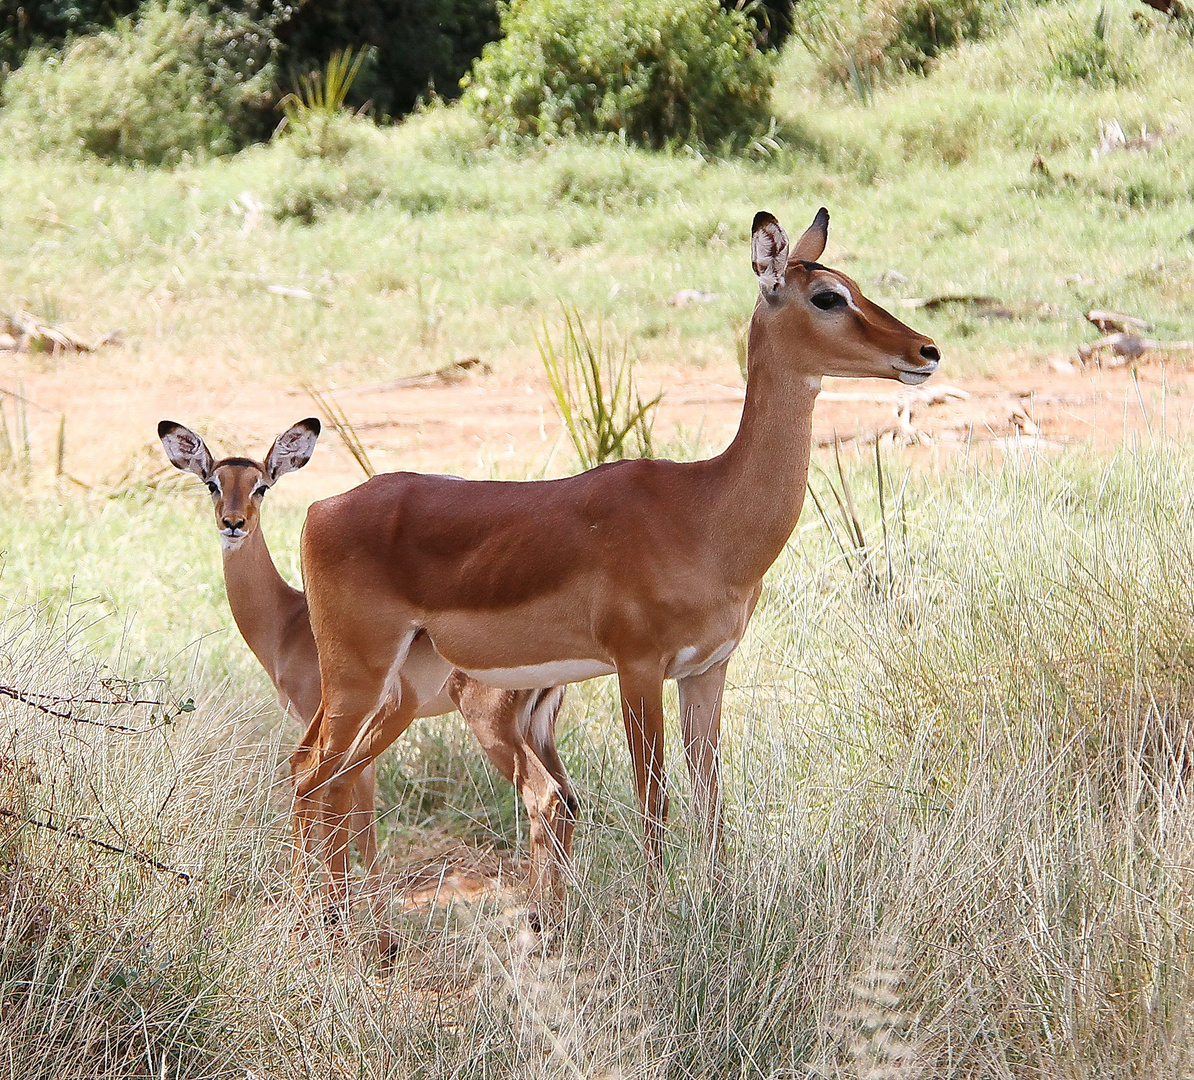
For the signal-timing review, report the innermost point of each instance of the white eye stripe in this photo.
(844, 293)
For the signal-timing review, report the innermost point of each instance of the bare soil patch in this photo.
(505, 424)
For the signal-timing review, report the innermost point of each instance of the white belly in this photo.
(692, 660)
(533, 676)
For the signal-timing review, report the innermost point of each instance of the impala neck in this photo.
(258, 595)
(764, 471)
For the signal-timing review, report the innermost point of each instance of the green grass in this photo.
(431, 246)
(958, 838)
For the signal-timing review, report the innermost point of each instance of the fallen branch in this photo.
(75, 834)
(295, 293)
(27, 332)
(1126, 347)
(985, 307)
(449, 373)
(1112, 137)
(1110, 322)
(692, 296)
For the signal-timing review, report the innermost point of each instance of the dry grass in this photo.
(958, 829)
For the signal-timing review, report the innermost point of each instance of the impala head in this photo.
(833, 329)
(238, 485)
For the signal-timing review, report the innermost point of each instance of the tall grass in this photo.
(956, 820)
(596, 396)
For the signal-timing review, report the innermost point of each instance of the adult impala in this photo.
(650, 569)
(515, 728)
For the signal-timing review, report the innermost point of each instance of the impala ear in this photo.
(292, 449)
(185, 449)
(768, 253)
(810, 246)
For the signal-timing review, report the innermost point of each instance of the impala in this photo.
(646, 569)
(515, 728)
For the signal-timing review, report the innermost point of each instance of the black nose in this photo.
(230, 524)
(930, 352)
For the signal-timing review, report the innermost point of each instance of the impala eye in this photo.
(826, 300)
(213, 487)
(260, 492)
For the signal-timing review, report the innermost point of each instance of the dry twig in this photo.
(75, 834)
(454, 372)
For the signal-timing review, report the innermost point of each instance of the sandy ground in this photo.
(506, 425)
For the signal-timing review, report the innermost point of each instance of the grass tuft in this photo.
(596, 396)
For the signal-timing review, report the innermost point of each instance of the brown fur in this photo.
(273, 619)
(637, 565)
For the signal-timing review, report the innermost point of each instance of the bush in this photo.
(772, 19)
(852, 42)
(24, 25)
(657, 72)
(1093, 55)
(172, 83)
(417, 45)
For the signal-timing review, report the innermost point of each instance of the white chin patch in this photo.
(914, 378)
(231, 543)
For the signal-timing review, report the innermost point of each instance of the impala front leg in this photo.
(700, 727)
(642, 713)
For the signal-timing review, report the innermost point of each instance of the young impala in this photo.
(515, 728)
(650, 569)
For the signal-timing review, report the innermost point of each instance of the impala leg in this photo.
(502, 721)
(642, 713)
(700, 727)
(364, 823)
(353, 732)
(542, 737)
(345, 759)
(307, 809)
(364, 826)
(551, 834)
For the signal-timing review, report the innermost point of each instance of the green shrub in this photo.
(313, 188)
(656, 72)
(174, 82)
(772, 19)
(25, 25)
(854, 41)
(1093, 54)
(417, 46)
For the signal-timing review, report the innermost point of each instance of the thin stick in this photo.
(75, 834)
(26, 697)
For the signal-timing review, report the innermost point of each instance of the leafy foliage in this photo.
(418, 46)
(315, 114)
(772, 18)
(174, 82)
(24, 25)
(658, 72)
(1094, 53)
(854, 42)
